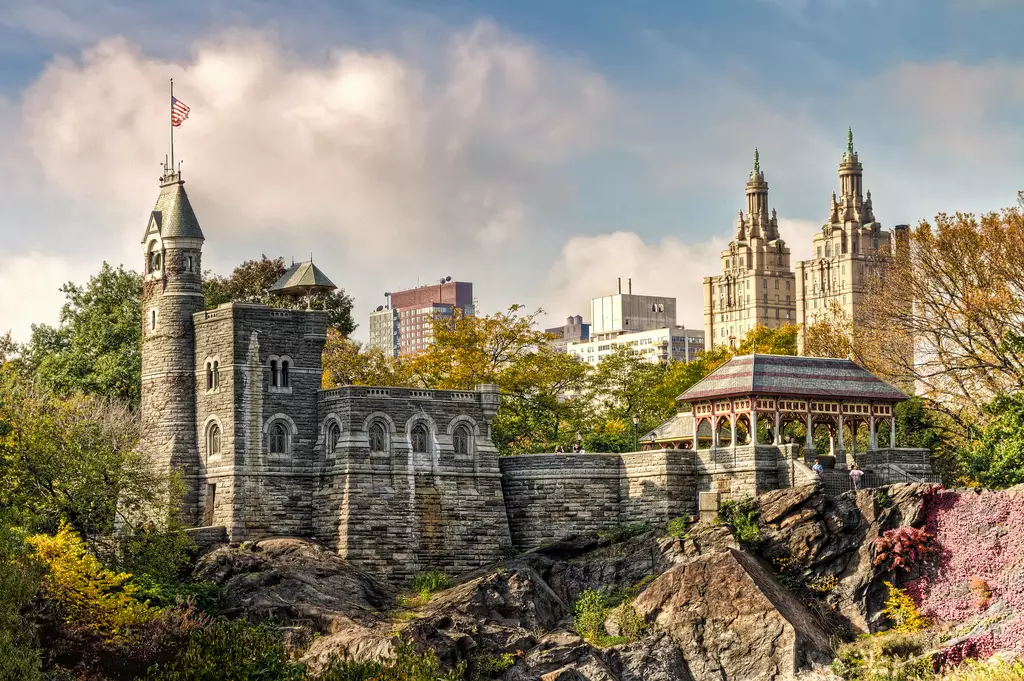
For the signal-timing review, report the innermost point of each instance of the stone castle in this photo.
(398, 479)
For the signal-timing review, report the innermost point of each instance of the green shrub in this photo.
(888, 656)
(19, 581)
(631, 623)
(232, 651)
(624, 531)
(679, 527)
(426, 584)
(491, 667)
(589, 613)
(743, 518)
(989, 670)
(407, 665)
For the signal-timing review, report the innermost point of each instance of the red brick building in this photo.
(417, 308)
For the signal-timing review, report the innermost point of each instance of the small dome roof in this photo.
(303, 277)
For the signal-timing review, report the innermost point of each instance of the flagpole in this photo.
(171, 120)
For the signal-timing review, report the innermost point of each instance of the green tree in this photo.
(996, 459)
(765, 341)
(625, 383)
(19, 581)
(95, 348)
(250, 282)
(70, 457)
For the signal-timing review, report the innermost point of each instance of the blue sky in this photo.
(539, 149)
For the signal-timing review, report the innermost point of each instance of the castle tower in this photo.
(172, 291)
(756, 285)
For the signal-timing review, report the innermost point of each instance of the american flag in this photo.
(179, 111)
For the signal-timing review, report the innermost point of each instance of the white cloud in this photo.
(588, 266)
(385, 166)
(31, 284)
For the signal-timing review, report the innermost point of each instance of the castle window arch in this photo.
(280, 369)
(462, 439)
(420, 438)
(378, 437)
(213, 439)
(333, 435)
(212, 365)
(278, 440)
(279, 433)
(154, 258)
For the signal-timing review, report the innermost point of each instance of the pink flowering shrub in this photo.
(974, 648)
(904, 548)
(982, 536)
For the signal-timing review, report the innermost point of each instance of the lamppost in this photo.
(636, 422)
(579, 440)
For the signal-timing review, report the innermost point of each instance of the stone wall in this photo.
(890, 464)
(736, 472)
(549, 496)
(397, 511)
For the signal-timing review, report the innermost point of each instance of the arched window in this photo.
(378, 437)
(278, 439)
(213, 440)
(460, 440)
(216, 375)
(333, 436)
(154, 258)
(419, 438)
(273, 373)
(188, 263)
(209, 375)
(284, 373)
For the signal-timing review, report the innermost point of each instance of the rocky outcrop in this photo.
(715, 611)
(811, 536)
(731, 619)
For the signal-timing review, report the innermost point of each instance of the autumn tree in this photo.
(250, 282)
(957, 290)
(346, 362)
(769, 341)
(831, 334)
(541, 389)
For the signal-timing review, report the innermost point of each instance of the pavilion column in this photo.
(714, 432)
(892, 430)
(753, 427)
(809, 440)
(777, 435)
(872, 442)
(695, 428)
(732, 424)
(840, 438)
(853, 437)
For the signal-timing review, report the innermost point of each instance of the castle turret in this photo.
(172, 291)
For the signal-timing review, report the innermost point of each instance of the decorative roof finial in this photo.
(757, 162)
(849, 141)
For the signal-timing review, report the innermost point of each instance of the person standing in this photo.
(856, 474)
(817, 467)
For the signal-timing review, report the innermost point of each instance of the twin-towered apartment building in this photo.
(758, 285)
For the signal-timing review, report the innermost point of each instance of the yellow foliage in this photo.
(903, 612)
(93, 599)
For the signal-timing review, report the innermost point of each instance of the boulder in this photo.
(295, 582)
(731, 619)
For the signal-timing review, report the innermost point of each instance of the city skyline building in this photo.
(613, 315)
(415, 309)
(574, 330)
(673, 343)
(757, 284)
(847, 251)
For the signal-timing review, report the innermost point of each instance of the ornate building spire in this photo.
(757, 163)
(741, 232)
(833, 210)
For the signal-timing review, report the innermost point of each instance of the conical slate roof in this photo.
(303, 278)
(173, 213)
